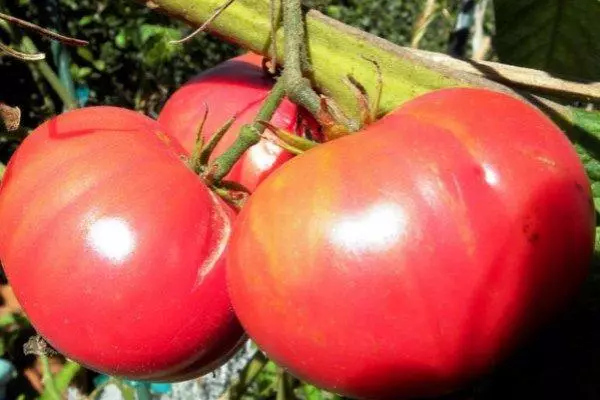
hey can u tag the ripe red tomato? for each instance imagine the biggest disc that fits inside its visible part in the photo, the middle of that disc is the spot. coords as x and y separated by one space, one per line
115 249
235 87
422 251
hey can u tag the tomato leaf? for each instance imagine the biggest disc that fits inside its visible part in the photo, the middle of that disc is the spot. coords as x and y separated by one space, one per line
558 36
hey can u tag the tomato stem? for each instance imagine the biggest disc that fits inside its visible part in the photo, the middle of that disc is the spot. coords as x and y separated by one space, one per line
298 87
49 385
249 135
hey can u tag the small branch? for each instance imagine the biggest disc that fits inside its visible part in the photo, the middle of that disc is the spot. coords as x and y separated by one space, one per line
205 25
423 22
50 76
249 136
532 79
20 55
43 31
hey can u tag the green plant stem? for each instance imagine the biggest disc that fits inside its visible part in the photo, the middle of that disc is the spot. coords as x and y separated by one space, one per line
43 31
62 380
249 135
50 76
285 389
298 87
49 385
337 50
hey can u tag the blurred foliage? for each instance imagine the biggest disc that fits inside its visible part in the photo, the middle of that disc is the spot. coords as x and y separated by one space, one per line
391 19
556 36
129 61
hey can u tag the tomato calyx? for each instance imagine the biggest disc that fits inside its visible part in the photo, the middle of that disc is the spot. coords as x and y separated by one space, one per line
199 160
249 135
233 193
286 140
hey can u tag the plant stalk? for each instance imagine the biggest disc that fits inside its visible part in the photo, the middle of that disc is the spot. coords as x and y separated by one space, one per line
337 50
249 135
50 76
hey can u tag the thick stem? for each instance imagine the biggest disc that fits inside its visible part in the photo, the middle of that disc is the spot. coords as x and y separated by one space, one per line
249 135
337 50
297 86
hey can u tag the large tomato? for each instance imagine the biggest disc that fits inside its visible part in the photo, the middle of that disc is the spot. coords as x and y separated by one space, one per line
422 251
236 87
115 249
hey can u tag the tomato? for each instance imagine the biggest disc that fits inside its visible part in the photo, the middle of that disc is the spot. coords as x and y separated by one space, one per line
115 249
236 87
424 249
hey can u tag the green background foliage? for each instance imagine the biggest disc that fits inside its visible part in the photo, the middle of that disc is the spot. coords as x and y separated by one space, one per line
129 61
557 36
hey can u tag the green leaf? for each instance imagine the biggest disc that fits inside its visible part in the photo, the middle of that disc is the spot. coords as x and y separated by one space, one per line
248 375
87 19
558 36
6 319
121 39
585 135
86 54
311 393
80 73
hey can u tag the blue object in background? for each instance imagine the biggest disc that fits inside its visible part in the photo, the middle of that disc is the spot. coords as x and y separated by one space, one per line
82 94
7 373
143 389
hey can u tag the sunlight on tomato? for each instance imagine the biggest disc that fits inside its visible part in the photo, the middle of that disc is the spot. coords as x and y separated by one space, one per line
376 228
112 238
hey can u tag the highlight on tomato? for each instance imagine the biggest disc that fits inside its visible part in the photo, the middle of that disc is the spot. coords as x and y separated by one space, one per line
115 249
237 88
425 249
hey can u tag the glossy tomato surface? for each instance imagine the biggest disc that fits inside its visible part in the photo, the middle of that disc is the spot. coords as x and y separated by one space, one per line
115 249
425 248
236 87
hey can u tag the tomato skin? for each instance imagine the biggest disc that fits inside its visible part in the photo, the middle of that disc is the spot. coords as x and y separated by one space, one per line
425 249
236 87
115 249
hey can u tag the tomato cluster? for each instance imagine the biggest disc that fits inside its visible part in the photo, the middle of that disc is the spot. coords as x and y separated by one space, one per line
400 261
